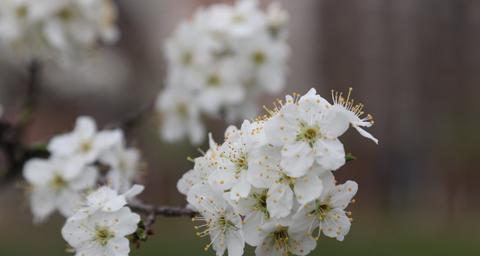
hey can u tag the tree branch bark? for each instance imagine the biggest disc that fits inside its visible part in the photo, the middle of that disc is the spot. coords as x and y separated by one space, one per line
166 211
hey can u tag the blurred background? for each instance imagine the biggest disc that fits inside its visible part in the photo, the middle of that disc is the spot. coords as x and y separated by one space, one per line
414 63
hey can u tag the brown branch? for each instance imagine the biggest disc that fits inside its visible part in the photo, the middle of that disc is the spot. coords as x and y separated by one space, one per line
166 211
130 121
11 135
16 153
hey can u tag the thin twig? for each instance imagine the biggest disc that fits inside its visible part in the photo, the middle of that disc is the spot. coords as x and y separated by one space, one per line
16 153
166 211
31 98
134 118
11 135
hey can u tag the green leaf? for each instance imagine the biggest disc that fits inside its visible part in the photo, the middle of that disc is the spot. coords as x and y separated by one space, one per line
349 157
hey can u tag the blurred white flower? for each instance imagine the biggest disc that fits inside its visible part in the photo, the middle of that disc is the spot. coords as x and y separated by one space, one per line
63 29
105 199
221 61
84 142
124 165
57 184
180 116
103 233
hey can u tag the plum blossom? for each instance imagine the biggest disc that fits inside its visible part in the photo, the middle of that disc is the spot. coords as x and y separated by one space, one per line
219 63
84 142
101 227
62 29
327 213
124 164
221 223
105 199
234 160
270 184
56 184
278 240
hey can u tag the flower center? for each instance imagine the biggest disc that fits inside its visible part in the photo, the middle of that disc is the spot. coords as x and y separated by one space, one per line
259 58
58 182
238 18
241 163
65 14
103 235
22 11
280 238
261 203
309 134
321 210
214 80
86 146
187 58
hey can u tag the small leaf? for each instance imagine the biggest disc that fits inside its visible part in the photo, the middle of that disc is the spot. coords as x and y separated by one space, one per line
349 157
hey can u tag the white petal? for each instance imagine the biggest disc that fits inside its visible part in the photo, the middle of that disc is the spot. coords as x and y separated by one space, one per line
77 232
38 172
279 200
297 159
241 189
251 225
308 188
336 224
330 154
343 194
42 202
301 244
235 243
118 246
125 221
365 134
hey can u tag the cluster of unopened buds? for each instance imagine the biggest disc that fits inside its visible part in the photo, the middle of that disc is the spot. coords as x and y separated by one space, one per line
270 184
221 61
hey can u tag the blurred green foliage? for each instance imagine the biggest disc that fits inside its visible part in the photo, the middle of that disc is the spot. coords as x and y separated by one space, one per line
176 237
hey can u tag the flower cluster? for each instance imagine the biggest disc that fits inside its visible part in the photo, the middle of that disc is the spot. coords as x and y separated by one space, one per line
79 161
62 29
220 62
100 227
271 183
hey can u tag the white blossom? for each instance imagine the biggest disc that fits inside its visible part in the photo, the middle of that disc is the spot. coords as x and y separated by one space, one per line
56 184
203 167
84 142
181 116
278 240
327 213
308 132
354 113
63 29
220 63
221 223
103 233
270 184
124 164
234 160
105 199
283 188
